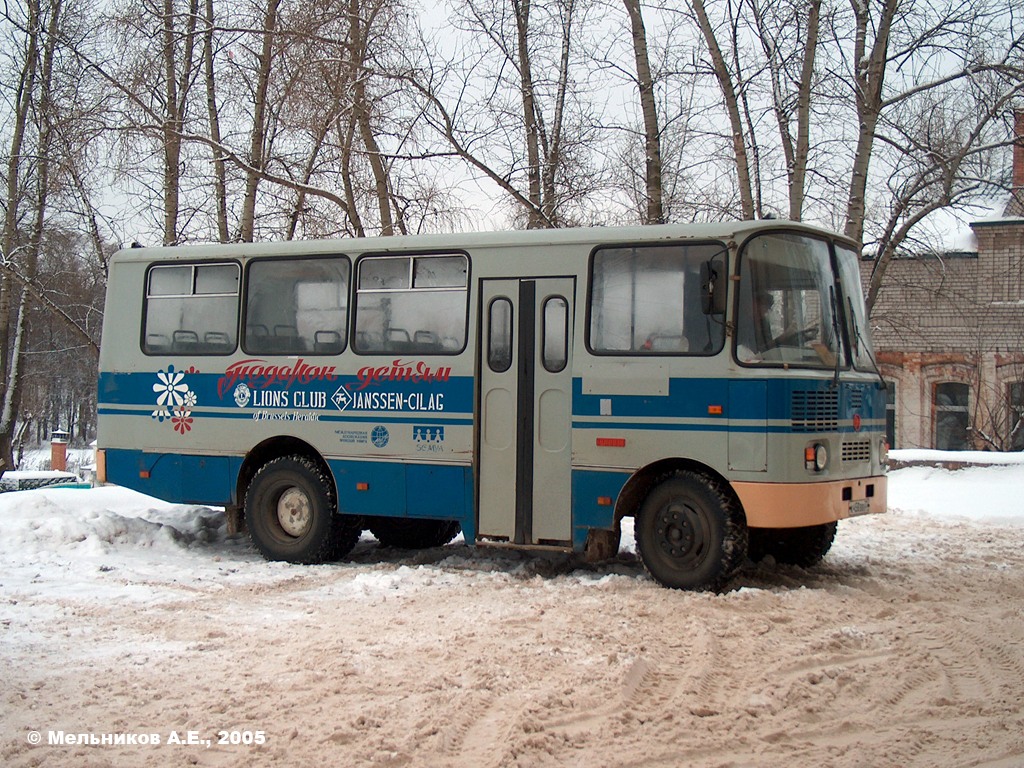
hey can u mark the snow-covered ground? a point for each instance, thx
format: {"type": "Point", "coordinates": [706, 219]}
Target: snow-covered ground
{"type": "Point", "coordinates": [131, 620]}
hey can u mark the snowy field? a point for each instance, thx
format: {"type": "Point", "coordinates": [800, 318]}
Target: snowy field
{"type": "Point", "coordinates": [141, 624]}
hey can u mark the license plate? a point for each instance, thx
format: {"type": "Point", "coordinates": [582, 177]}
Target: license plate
{"type": "Point", "coordinates": [860, 507]}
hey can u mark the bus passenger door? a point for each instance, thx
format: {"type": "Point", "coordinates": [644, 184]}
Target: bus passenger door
{"type": "Point", "coordinates": [524, 454]}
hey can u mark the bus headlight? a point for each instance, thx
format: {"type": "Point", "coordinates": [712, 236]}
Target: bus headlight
{"type": "Point", "coordinates": [883, 452]}
{"type": "Point", "coordinates": [815, 457]}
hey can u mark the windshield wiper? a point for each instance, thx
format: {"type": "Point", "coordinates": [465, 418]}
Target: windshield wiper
{"type": "Point", "coordinates": [861, 342]}
{"type": "Point", "coordinates": [836, 331]}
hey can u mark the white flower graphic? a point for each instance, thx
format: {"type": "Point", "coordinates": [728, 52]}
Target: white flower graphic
{"type": "Point", "coordinates": [174, 400]}
{"type": "Point", "coordinates": [171, 388]}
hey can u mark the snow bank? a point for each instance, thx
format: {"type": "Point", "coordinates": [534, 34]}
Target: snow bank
{"type": "Point", "coordinates": [101, 527]}
{"type": "Point", "coordinates": [991, 494]}
{"type": "Point", "coordinates": [986, 458]}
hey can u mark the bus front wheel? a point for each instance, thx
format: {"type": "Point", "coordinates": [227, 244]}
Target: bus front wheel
{"type": "Point", "coordinates": [291, 513]}
{"type": "Point", "coordinates": [690, 532]}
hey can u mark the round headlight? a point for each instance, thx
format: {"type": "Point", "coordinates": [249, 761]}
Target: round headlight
{"type": "Point", "coordinates": [820, 457]}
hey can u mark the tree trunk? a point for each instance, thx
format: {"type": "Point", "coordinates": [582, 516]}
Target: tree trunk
{"type": "Point", "coordinates": [798, 173]}
{"type": "Point", "coordinates": [522, 12]}
{"type": "Point", "coordinates": [732, 107]}
{"type": "Point", "coordinates": [870, 74]}
{"type": "Point", "coordinates": [220, 193]}
{"type": "Point", "coordinates": [655, 213]}
{"type": "Point", "coordinates": [259, 124]}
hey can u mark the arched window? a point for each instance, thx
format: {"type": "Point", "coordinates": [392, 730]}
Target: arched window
{"type": "Point", "coordinates": [950, 415]}
{"type": "Point", "coordinates": [1015, 409]}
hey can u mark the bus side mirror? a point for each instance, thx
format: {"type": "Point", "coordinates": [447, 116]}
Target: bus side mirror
{"type": "Point", "coordinates": [712, 287]}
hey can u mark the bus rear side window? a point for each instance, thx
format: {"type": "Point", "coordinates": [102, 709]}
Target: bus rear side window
{"type": "Point", "coordinates": [297, 306]}
{"type": "Point", "coordinates": [650, 300]}
{"type": "Point", "coordinates": [412, 304]}
{"type": "Point", "coordinates": [191, 309]}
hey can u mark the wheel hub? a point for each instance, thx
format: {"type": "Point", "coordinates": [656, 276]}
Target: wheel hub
{"type": "Point", "coordinates": [294, 512]}
{"type": "Point", "coordinates": [677, 534]}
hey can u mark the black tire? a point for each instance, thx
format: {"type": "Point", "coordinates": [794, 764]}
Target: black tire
{"type": "Point", "coordinates": [412, 533]}
{"type": "Point", "coordinates": [290, 511]}
{"type": "Point", "coordinates": [691, 533]}
{"type": "Point", "coordinates": [793, 546]}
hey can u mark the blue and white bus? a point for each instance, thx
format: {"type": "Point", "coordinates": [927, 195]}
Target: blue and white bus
{"type": "Point", "coordinates": [714, 382]}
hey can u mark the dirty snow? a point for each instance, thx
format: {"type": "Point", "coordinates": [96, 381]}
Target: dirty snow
{"type": "Point", "coordinates": [126, 618]}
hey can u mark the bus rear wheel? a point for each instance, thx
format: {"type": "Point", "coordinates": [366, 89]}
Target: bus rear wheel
{"type": "Point", "coordinates": [290, 512]}
{"type": "Point", "coordinates": [793, 546]}
{"type": "Point", "coordinates": [690, 532]}
{"type": "Point", "coordinates": [410, 533]}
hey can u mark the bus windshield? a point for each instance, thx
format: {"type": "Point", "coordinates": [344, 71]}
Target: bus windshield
{"type": "Point", "coordinates": [787, 312]}
{"type": "Point", "coordinates": [855, 309]}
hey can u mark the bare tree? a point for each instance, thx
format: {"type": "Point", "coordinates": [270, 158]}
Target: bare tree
{"type": "Point", "coordinates": [649, 108]}
{"type": "Point", "coordinates": [526, 128]}
{"type": "Point", "coordinates": [731, 95]}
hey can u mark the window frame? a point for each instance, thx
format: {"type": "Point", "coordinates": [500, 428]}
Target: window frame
{"type": "Point", "coordinates": [244, 309]}
{"type": "Point", "coordinates": [507, 364]}
{"type": "Point", "coordinates": [412, 257]}
{"type": "Point", "coordinates": [937, 410]}
{"type": "Point", "coordinates": [148, 297]}
{"type": "Point", "coordinates": [567, 320]}
{"type": "Point", "coordinates": [721, 251]}
{"type": "Point", "coordinates": [843, 354]}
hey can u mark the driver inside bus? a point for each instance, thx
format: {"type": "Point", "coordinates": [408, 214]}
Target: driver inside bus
{"type": "Point", "coordinates": [756, 335]}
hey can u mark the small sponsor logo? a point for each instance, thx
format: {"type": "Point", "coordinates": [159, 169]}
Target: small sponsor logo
{"type": "Point", "coordinates": [379, 436]}
{"type": "Point", "coordinates": [242, 395]}
{"type": "Point", "coordinates": [427, 434]}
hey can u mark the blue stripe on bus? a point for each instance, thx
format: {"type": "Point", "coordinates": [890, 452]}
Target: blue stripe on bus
{"type": "Point", "coordinates": [691, 398]}
{"type": "Point", "coordinates": [392, 489]}
{"type": "Point", "coordinates": [343, 392]}
{"type": "Point", "coordinates": [431, 418]}
{"type": "Point", "coordinates": [746, 399]}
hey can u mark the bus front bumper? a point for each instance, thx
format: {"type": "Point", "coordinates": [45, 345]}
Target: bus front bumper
{"type": "Point", "coordinates": [793, 505]}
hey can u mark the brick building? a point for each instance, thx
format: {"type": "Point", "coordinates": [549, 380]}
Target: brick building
{"type": "Point", "coordinates": [949, 336]}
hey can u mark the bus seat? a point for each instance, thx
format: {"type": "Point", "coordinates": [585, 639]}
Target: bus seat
{"type": "Point", "coordinates": [426, 341]}
{"type": "Point", "coordinates": [217, 341]}
{"type": "Point", "coordinates": [398, 340]}
{"type": "Point", "coordinates": [157, 343]}
{"type": "Point", "coordinates": [184, 341]}
{"type": "Point", "coordinates": [326, 342]}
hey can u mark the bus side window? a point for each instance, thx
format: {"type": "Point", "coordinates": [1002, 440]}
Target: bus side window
{"type": "Point", "coordinates": [650, 300]}
{"type": "Point", "coordinates": [191, 309]}
{"type": "Point", "coordinates": [294, 306]}
{"type": "Point", "coordinates": [412, 304]}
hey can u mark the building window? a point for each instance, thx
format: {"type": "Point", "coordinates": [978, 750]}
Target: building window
{"type": "Point", "coordinates": [890, 413]}
{"type": "Point", "coordinates": [1015, 427]}
{"type": "Point", "coordinates": [951, 416]}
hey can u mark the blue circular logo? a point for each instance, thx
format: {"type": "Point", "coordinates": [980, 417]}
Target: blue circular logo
{"type": "Point", "coordinates": [379, 436]}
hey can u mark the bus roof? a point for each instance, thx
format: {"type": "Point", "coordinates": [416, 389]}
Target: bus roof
{"type": "Point", "coordinates": [728, 230]}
